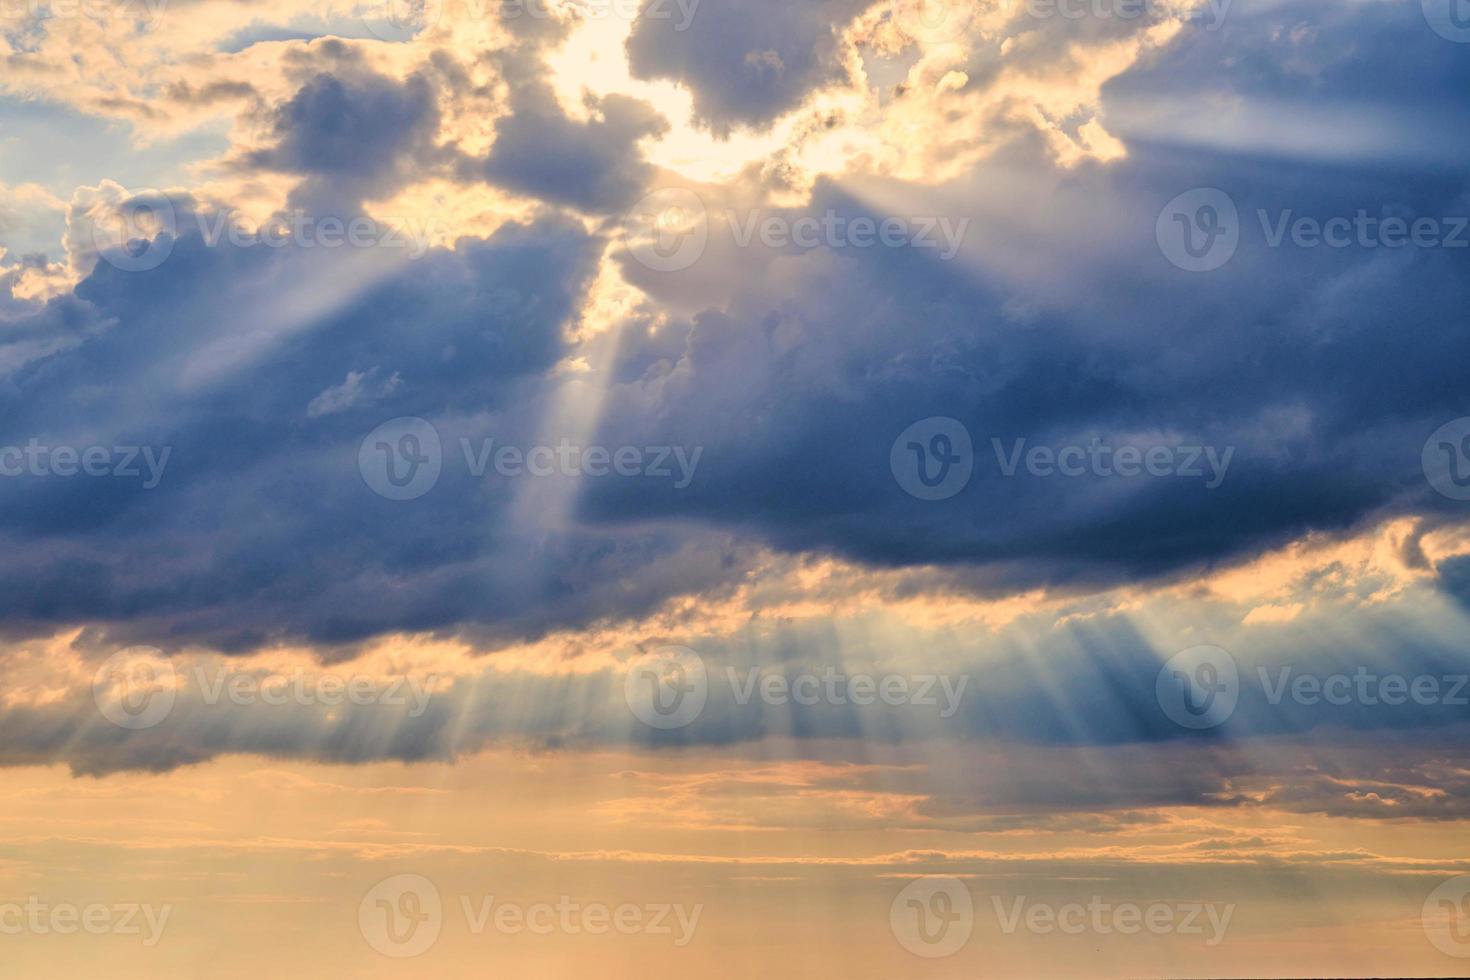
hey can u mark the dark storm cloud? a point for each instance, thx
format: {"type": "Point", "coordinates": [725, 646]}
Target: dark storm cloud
{"type": "Point", "coordinates": [1059, 321]}
{"type": "Point", "coordinates": [262, 524]}
{"type": "Point", "coordinates": [593, 165]}
{"type": "Point", "coordinates": [1076, 700]}
{"type": "Point", "coordinates": [746, 63]}
{"type": "Point", "coordinates": [349, 131]}
{"type": "Point", "coordinates": [1062, 321]}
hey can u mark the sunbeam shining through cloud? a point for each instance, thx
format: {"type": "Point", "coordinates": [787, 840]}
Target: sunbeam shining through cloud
{"type": "Point", "coordinates": [716, 488]}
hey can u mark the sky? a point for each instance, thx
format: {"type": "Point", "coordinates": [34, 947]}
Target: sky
{"type": "Point", "coordinates": [717, 488]}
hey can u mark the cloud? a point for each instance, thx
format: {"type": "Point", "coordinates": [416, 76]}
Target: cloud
{"type": "Point", "coordinates": [593, 165]}
{"type": "Point", "coordinates": [747, 63]}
